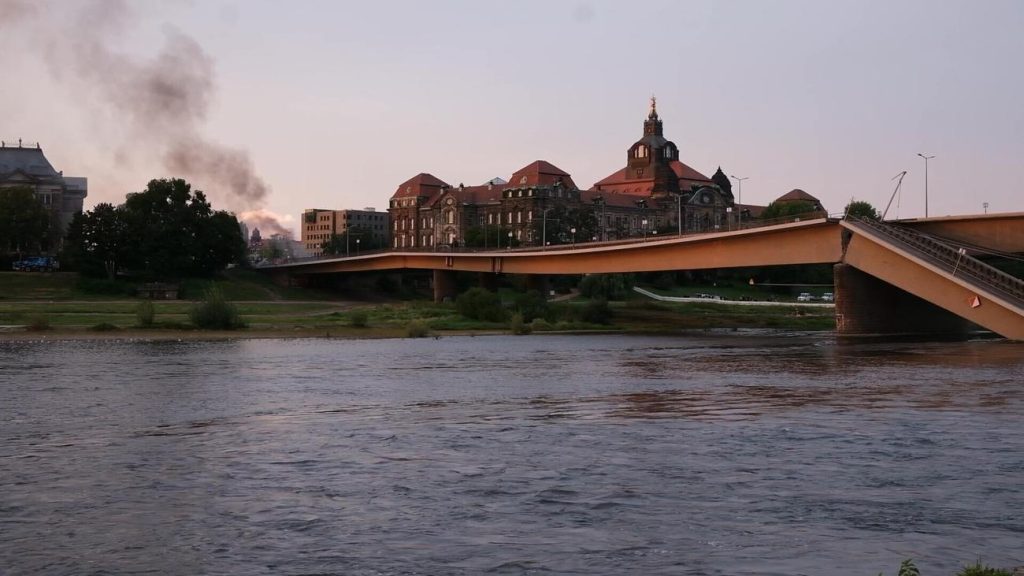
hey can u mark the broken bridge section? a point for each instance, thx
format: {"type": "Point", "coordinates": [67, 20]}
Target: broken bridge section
{"type": "Point", "coordinates": [940, 278]}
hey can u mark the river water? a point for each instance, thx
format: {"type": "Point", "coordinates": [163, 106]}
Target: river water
{"type": "Point", "coordinates": [731, 454]}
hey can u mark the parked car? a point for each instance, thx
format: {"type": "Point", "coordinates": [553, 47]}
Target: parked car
{"type": "Point", "coordinates": [804, 297]}
{"type": "Point", "coordinates": [36, 264]}
{"type": "Point", "coordinates": [828, 297]}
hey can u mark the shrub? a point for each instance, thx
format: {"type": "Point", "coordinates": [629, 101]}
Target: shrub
{"type": "Point", "coordinates": [531, 305]}
{"type": "Point", "coordinates": [606, 286]}
{"type": "Point", "coordinates": [981, 570]}
{"type": "Point", "coordinates": [596, 312]}
{"type": "Point", "coordinates": [480, 304]}
{"type": "Point", "coordinates": [359, 319]}
{"type": "Point", "coordinates": [38, 323]}
{"type": "Point", "coordinates": [518, 326]}
{"type": "Point", "coordinates": [104, 327]}
{"type": "Point", "coordinates": [417, 329]}
{"type": "Point", "coordinates": [540, 325]}
{"type": "Point", "coordinates": [216, 313]}
{"type": "Point", "coordinates": [145, 313]}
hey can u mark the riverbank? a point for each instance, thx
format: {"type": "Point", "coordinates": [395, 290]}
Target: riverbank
{"type": "Point", "coordinates": [50, 306]}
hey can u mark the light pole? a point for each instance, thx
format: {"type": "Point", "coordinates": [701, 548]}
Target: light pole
{"type": "Point", "coordinates": [573, 231]}
{"type": "Point", "coordinates": [544, 226]}
{"type": "Point", "coordinates": [739, 197]}
{"type": "Point", "coordinates": [509, 239]}
{"type": "Point", "coordinates": [599, 201]}
{"type": "Point", "coordinates": [357, 246]}
{"type": "Point", "coordinates": [644, 224]}
{"type": "Point", "coordinates": [728, 210]}
{"type": "Point", "coordinates": [926, 159]}
{"type": "Point", "coordinates": [985, 206]}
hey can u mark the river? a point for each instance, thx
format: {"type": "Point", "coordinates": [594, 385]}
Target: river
{"type": "Point", "coordinates": [712, 454]}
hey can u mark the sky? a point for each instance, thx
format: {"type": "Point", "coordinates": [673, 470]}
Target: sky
{"type": "Point", "coordinates": [272, 108]}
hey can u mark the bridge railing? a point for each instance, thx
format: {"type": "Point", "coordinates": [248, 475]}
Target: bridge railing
{"type": "Point", "coordinates": [954, 260]}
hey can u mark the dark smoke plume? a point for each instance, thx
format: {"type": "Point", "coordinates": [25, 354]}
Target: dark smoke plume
{"type": "Point", "coordinates": [163, 101]}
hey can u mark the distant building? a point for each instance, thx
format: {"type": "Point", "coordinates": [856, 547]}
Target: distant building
{"type": "Point", "coordinates": [652, 192]}
{"type": "Point", "coordinates": [368, 226]}
{"type": "Point", "coordinates": [27, 166]}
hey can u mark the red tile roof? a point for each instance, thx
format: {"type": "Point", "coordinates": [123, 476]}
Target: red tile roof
{"type": "Point", "coordinates": [684, 172]}
{"type": "Point", "coordinates": [540, 173]}
{"type": "Point", "coordinates": [797, 194]}
{"type": "Point", "coordinates": [422, 184]}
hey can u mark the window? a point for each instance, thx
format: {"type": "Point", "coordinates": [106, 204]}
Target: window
{"type": "Point", "coordinates": [519, 217]}
{"type": "Point", "coordinates": [529, 216]}
{"type": "Point", "coordinates": [510, 217]}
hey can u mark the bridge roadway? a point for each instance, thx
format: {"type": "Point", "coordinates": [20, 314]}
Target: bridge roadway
{"type": "Point", "coordinates": [903, 261]}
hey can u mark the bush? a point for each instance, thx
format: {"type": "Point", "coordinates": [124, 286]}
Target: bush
{"type": "Point", "coordinates": [104, 327]}
{"type": "Point", "coordinates": [417, 329]}
{"type": "Point", "coordinates": [518, 327]}
{"type": "Point", "coordinates": [216, 313]}
{"type": "Point", "coordinates": [980, 570]}
{"type": "Point", "coordinates": [606, 286]}
{"type": "Point", "coordinates": [596, 312]}
{"type": "Point", "coordinates": [359, 319]}
{"type": "Point", "coordinates": [145, 313]}
{"type": "Point", "coordinates": [480, 304]}
{"type": "Point", "coordinates": [531, 305]}
{"type": "Point", "coordinates": [540, 325]}
{"type": "Point", "coordinates": [38, 323]}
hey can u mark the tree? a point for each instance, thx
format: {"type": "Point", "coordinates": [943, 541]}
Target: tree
{"type": "Point", "coordinates": [97, 241]}
{"type": "Point", "coordinates": [785, 209]}
{"type": "Point", "coordinates": [345, 243]}
{"type": "Point", "coordinates": [24, 221]}
{"type": "Point", "coordinates": [861, 209]}
{"type": "Point", "coordinates": [163, 232]}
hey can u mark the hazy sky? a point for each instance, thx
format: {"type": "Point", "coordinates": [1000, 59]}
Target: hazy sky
{"type": "Point", "coordinates": [336, 103]}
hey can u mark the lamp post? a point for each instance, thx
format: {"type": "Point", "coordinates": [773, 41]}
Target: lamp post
{"type": "Point", "coordinates": [728, 210]}
{"type": "Point", "coordinates": [544, 226]}
{"type": "Point", "coordinates": [573, 231]}
{"type": "Point", "coordinates": [644, 224]}
{"type": "Point", "coordinates": [509, 239]}
{"type": "Point", "coordinates": [739, 197]}
{"type": "Point", "coordinates": [984, 205]}
{"type": "Point", "coordinates": [642, 205]}
{"type": "Point", "coordinates": [926, 159]}
{"type": "Point", "coordinates": [357, 246]}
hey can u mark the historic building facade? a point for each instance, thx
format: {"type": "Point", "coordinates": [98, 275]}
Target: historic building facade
{"type": "Point", "coordinates": [27, 166]}
{"type": "Point", "coordinates": [319, 225]}
{"type": "Point", "coordinates": [541, 204]}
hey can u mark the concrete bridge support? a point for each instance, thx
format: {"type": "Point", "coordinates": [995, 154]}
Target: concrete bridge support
{"type": "Point", "coordinates": [444, 285]}
{"type": "Point", "coordinates": [866, 305]}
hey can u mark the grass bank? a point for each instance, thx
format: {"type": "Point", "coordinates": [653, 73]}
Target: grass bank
{"type": "Point", "coordinates": [61, 305]}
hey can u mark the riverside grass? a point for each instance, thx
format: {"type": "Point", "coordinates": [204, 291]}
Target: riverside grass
{"type": "Point", "coordinates": [51, 301]}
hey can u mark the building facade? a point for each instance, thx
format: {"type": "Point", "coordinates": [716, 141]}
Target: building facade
{"type": "Point", "coordinates": [27, 166]}
{"type": "Point", "coordinates": [368, 226]}
{"type": "Point", "coordinates": [540, 203]}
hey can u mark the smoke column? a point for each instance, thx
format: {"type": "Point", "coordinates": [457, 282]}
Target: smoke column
{"type": "Point", "coordinates": [163, 101]}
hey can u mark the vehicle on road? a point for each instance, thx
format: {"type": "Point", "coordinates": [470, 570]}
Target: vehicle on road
{"type": "Point", "coordinates": [828, 297]}
{"type": "Point", "coordinates": [805, 297]}
{"type": "Point", "coordinates": [35, 264]}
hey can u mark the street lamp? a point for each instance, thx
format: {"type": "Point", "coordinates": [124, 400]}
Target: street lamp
{"type": "Point", "coordinates": [985, 206]}
{"type": "Point", "coordinates": [573, 231]}
{"type": "Point", "coordinates": [544, 226]}
{"type": "Point", "coordinates": [739, 197]}
{"type": "Point", "coordinates": [509, 239]}
{"type": "Point", "coordinates": [728, 211]}
{"type": "Point", "coordinates": [357, 245]}
{"type": "Point", "coordinates": [926, 159]}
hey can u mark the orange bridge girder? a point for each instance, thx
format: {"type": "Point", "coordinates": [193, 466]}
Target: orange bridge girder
{"type": "Point", "coordinates": [816, 241]}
